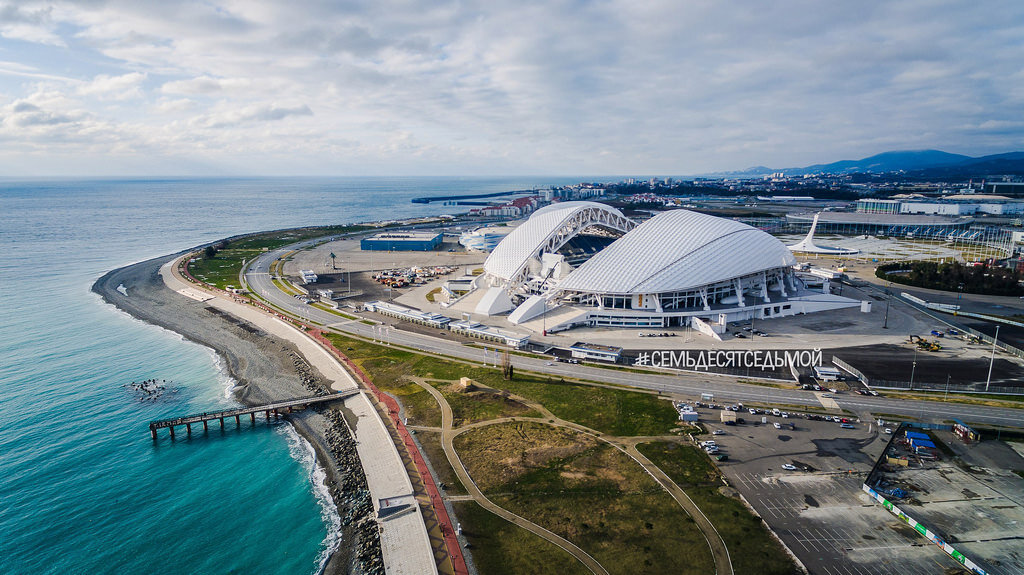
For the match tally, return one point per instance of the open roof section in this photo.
(547, 230)
(676, 251)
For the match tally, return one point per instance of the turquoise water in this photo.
(83, 487)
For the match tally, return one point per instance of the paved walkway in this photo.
(405, 543)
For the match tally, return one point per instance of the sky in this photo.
(495, 87)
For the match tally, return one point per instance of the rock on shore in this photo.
(266, 369)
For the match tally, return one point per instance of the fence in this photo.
(849, 368)
(924, 307)
(954, 387)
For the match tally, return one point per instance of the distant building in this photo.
(484, 239)
(402, 242)
(954, 205)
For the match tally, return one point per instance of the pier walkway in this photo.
(269, 410)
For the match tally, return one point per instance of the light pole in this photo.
(888, 297)
(913, 368)
(960, 294)
(992, 360)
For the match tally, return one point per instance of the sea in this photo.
(83, 487)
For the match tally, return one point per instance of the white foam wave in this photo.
(227, 382)
(302, 451)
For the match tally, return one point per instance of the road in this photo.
(258, 279)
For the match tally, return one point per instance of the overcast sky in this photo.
(437, 87)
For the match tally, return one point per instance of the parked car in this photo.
(789, 467)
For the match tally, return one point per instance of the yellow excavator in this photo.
(923, 344)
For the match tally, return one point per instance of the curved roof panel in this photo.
(679, 250)
(557, 222)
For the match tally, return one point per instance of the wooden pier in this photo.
(270, 410)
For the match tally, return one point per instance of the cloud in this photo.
(121, 87)
(251, 114)
(205, 85)
(545, 86)
(30, 24)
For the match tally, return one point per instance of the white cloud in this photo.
(251, 114)
(122, 87)
(546, 86)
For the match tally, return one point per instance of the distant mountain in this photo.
(885, 162)
(913, 163)
(1011, 163)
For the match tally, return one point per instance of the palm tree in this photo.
(332, 261)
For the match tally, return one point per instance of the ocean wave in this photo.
(302, 451)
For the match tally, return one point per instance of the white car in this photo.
(789, 467)
(718, 432)
(777, 425)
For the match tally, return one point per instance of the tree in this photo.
(333, 267)
(210, 251)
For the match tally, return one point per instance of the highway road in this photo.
(258, 278)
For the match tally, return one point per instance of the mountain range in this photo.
(923, 164)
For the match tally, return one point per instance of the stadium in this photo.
(586, 264)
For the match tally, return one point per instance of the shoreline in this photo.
(265, 368)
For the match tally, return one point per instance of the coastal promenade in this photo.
(405, 543)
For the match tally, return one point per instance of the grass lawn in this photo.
(501, 548)
(588, 492)
(431, 443)
(751, 546)
(420, 407)
(222, 270)
(480, 405)
(612, 411)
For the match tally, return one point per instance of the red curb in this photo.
(450, 539)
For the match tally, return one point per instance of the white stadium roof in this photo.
(546, 230)
(678, 250)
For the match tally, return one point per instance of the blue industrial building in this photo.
(402, 242)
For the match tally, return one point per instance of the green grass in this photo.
(330, 309)
(431, 443)
(433, 293)
(588, 492)
(612, 411)
(473, 406)
(222, 270)
(501, 548)
(751, 546)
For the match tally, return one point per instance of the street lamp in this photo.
(888, 297)
(960, 294)
(992, 360)
(913, 368)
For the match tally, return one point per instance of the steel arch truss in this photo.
(568, 228)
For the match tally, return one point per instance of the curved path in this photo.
(447, 435)
(719, 550)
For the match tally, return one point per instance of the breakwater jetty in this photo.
(270, 410)
(429, 199)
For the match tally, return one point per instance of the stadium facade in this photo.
(586, 264)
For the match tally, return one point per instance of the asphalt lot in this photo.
(821, 513)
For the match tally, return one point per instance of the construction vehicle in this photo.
(923, 344)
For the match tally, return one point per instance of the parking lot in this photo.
(976, 504)
(818, 508)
